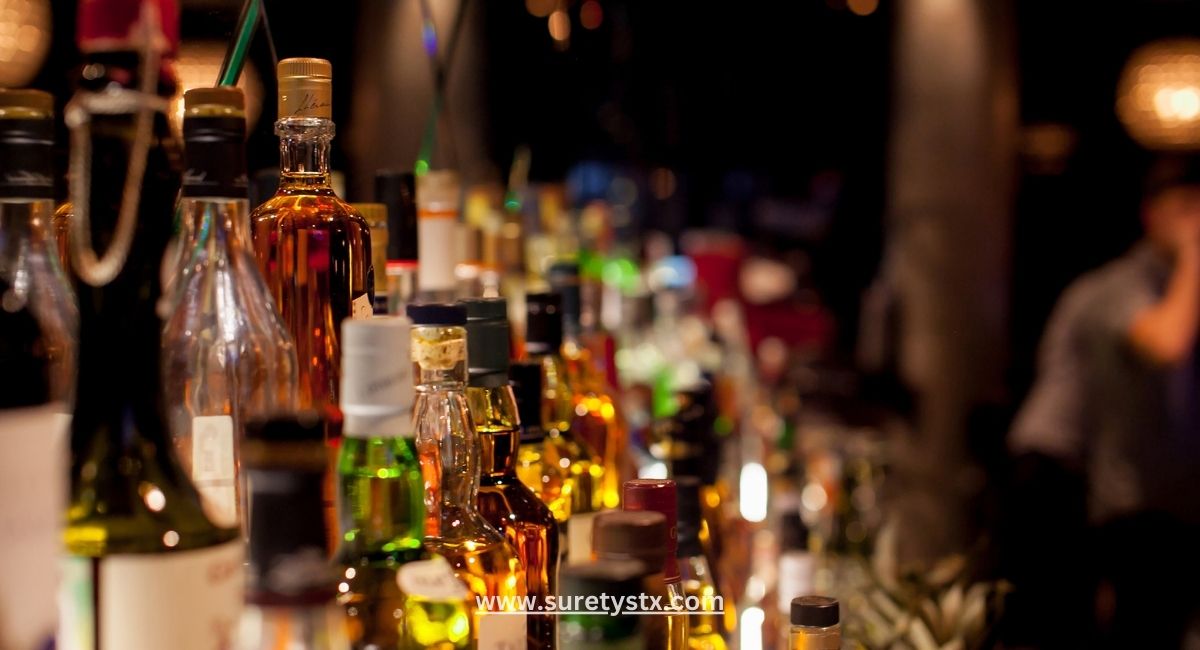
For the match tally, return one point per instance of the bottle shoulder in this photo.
(307, 208)
(517, 501)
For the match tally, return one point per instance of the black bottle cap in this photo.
(433, 313)
(527, 387)
(564, 279)
(793, 534)
(398, 191)
(285, 461)
(690, 516)
(632, 535)
(815, 611)
(543, 323)
(487, 341)
(27, 166)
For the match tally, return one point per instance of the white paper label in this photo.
(361, 307)
(795, 577)
(213, 469)
(433, 579)
(579, 537)
(33, 488)
(506, 631)
(436, 233)
(189, 600)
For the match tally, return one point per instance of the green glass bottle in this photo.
(145, 568)
(504, 501)
(381, 505)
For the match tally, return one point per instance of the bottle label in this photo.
(33, 489)
(361, 307)
(436, 231)
(795, 577)
(501, 631)
(431, 579)
(213, 469)
(186, 600)
(579, 537)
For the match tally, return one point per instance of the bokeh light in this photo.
(559, 25)
(591, 15)
(198, 65)
(24, 40)
(863, 7)
(1158, 95)
(540, 8)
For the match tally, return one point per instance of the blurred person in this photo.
(1117, 404)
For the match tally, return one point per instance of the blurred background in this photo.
(895, 193)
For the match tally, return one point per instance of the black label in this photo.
(26, 159)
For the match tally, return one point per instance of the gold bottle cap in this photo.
(305, 88)
(222, 100)
(26, 103)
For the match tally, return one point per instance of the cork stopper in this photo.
(211, 102)
(305, 88)
(628, 535)
(26, 103)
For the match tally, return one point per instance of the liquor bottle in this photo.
(611, 579)
(539, 464)
(448, 450)
(376, 217)
(32, 475)
(699, 582)
(543, 340)
(291, 587)
(659, 495)
(642, 537)
(438, 199)
(816, 624)
(313, 248)
(436, 607)
(381, 510)
(61, 222)
(504, 501)
(398, 191)
(597, 419)
(29, 259)
(227, 356)
(797, 565)
(145, 568)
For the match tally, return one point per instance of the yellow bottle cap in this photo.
(305, 88)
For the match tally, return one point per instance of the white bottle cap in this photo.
(377, 385)
(437, 229)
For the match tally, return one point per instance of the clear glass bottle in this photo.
(38, 343)
(437, 607)
(543, 342)
(136, 533)
(29, 257)
(504, 501)
(313, 248)
(448, 450)
(227, 356)
(699, 583)
(659, 495)
(292, 587)
(816, 624)
(381, 509)
(598, 419)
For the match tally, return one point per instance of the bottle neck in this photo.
(304, 145)
(220, 227)
(448, 447)
(119, 329)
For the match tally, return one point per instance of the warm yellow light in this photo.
(24, 40)
(863, 7)
(197, 67)
(1158, 95)
(540, 8)
(559, 26)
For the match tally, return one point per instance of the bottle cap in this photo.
(437, 190)
(564, 279)
(432, 313)
(629, 535)
(377, 383)
(487, 341)
(543, 323)
(398, 191)
(305, 88)
(691, 518)
(228, 100)
(26, 102)
(657, 495)
(526, 379)
(815, 611)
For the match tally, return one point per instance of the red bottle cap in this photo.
(657, 495)
(125, 24)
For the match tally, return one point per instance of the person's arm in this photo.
(1164, 332)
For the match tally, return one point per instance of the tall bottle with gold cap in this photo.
(314, 249)
(227, 355)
